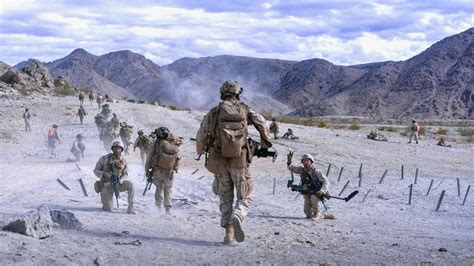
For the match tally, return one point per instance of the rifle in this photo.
(262, 152)
(316, 187)
(149, 181)
(115, 182)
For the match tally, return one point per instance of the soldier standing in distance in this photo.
(53, 137)
(415, 128)
(81, 113)
(81, 98)
(223, 134)
(274, 128)
(161, 164)
(26, 118)
(91, 97)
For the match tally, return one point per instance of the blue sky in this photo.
(342, 32)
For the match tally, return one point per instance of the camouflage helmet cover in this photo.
(307, 156)
(117, 143)
(230, 86)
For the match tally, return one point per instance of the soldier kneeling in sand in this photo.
(107, 166)
(315, 183)
(289, 135)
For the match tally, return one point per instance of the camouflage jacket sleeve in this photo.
(100, 166)
(135, 144)
(295, 169)
(124, 171)
(204, 132)
(149, 156)
(261, 125)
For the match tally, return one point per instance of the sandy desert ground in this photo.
(383, 229)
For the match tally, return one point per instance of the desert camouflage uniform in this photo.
(108, 135)
(106, 111)
(107, 191)
(232, 173)
(125, 133)
(274, 129)
(101, 123)
(26, 118)
(91, 97)
(81, 98)
(311, 202)
(162, 178)
(143, 143)
(81, 113)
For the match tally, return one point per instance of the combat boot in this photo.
(238, 230)
(130, 209)
(229, 234)
(168, 210)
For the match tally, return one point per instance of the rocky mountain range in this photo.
(437, 83)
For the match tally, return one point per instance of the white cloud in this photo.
(338, 33)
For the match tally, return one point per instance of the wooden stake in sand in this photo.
(383, 176)
(327, 172)
(370, 189)
(416, 176)
(440, 200)
(360, 171)
(402, 173)
(360, 181)
(84, 191)
(195, 171)
(343, 188)
(62, 184)
(411, 191)
(340, 174)
(274, 185)
(465, 196)
(429, 188)
(440, 183)
(459, 187)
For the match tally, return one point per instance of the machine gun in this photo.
(262, 152)
(115, 183)
(149, 181)
(315, 187)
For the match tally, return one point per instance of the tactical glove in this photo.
(289, 157)
(327, 195)
(262, 152)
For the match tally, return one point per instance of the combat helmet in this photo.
(162, 133)
(307, 156)
(230, 87)
(117, 143)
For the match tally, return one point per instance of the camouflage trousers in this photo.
(414, 134)
(163, 180)
(81, 118)
(107, 194)
(27, 125)
(143, 155)
(311, 206)
(224, 185)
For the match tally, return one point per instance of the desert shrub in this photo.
(339, 126)
(65, 91)
(321, 124)
(442, 131)
(354, 126)
(422, 131)
(388, 129)
(172, 107)
(86, 90)
(466, 132)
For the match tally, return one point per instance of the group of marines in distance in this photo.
(223, 139)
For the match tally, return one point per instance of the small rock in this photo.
(99, 261)
(395, 245)
(442, 250)
(125, 232)
(65, 219)
(277, 233)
